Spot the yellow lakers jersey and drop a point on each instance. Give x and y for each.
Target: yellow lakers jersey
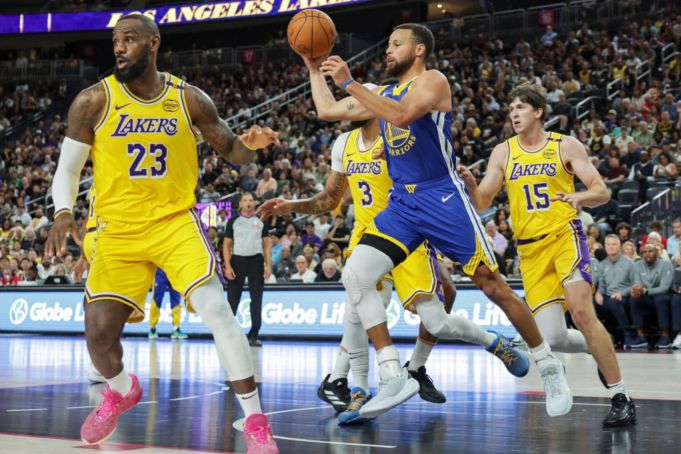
(367, 177)
(144, 154)
(533, 177)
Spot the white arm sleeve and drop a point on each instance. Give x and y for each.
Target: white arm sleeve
(65, 183)
(337, 152)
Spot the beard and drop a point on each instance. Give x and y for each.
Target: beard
(399, 68)
(133, 71)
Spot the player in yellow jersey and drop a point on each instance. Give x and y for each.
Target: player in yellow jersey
(138, 124)
(538, 169)
(416, 280)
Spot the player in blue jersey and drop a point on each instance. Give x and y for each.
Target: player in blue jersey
(429, 202)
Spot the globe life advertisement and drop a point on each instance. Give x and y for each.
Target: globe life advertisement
(294, 311)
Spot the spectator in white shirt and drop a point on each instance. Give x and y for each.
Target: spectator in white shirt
(303, 273)
(499, 242)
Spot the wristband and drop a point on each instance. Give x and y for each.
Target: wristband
(346, 83)
(247, 146)
(60, 212)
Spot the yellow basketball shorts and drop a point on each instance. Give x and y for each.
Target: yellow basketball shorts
(124, 256)
(549, 262)
(415, 278)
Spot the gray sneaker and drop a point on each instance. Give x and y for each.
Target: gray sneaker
(558, 394)
(391, 393)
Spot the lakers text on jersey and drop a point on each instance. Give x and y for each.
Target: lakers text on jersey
(145, 171)
(551, 241)
(533, 177)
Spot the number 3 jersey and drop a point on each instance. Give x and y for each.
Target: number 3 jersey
(533, 178)
(368, 178)
(144, 154)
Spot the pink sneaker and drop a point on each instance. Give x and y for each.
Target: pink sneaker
(101, 422)
(258, 435)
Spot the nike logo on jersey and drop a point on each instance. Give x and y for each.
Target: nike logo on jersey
(445, 198)
(515, 158)
(120, 107)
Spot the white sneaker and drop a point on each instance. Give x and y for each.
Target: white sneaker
(677, 342)
(558, 394)
(94, 376)
(391, 393)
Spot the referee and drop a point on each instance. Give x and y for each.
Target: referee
(248, 254)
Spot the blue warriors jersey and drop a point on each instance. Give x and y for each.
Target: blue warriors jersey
(429, 201)
(421, 152)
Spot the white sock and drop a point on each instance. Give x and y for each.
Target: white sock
(121, 383)
(359, 364)
(420, 355)
(541, 352)
(250, 402)
(342, 365)
(388, 362)
(617, 388)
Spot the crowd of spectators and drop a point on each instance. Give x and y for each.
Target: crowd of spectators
(634, 141)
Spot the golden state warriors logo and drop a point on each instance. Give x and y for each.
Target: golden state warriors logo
(399, 140)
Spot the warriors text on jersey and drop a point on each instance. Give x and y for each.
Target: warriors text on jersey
(533, 177)
(144, 154)
(421, 152)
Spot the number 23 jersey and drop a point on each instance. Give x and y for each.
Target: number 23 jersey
(144, 154)
(533, 177)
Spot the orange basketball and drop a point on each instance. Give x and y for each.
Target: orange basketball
(311, 33)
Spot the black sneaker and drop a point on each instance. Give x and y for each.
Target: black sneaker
(335, 393)
(622, 412)
(427, 390)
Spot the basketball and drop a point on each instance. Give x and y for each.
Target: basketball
(311, 33)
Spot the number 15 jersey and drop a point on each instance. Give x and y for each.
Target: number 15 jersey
(533, 177)
(144, 154)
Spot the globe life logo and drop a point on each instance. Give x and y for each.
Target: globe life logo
(18, 311)
(38, 312)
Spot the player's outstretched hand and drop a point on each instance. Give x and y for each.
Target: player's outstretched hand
(273, 207)
(337, 69)
(573, 199)
(56, 239)
(258, 137)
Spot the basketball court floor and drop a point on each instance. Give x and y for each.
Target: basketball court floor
(188, 406)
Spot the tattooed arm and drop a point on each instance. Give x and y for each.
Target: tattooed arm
(325, 201)
(235, 149)
(327, 107)
(84, 113)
